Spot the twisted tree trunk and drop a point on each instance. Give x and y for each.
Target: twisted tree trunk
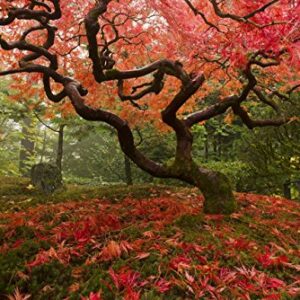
(215, 186)
(217, 192)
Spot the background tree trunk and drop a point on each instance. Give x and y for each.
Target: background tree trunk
(128, 173)
(60, 144)
(287, 189)
(43, 151)
(206, 149)
(27, 146)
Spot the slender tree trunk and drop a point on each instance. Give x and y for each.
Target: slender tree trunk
(44, 146)
(215, 146)
(27, 147)
(206, 149)
(287, 189)
(128, 173)
(60, 144)
(219, 146)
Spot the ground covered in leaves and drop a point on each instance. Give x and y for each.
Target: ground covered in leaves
(156, 247)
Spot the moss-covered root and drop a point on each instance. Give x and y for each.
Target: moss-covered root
(217, 192)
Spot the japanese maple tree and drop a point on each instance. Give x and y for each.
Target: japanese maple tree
(129, 61)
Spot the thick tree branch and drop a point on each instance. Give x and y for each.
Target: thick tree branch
(23, 45)
(244, 19)
(153, 87)
(92, 28)
(169, 67)
(211, 111)
(124, 132)
(259, 10)
(31, 14)
(250, 123)
(183, 134)
(265, 100)
(33, 68)
(47, 87)
(250, 85)
(201, 14)
(180, 99)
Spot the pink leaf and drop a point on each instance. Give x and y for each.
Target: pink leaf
(142, 255)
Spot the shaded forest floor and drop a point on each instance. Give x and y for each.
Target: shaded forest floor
(145, 242)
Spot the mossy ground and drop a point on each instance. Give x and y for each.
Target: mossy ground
(145, 242)
(17, 193)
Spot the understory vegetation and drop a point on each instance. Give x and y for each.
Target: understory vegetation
(152, 243)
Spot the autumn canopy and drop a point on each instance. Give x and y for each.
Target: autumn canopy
(128, 61)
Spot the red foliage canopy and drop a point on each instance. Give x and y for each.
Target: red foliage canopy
(247, 49)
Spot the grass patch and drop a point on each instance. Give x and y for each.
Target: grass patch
(16, 193)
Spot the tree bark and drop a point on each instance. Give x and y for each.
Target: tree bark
(215, 186)
(43, 146)
(27, 147)
(60, 144)
(287, 189)
(217, 192)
